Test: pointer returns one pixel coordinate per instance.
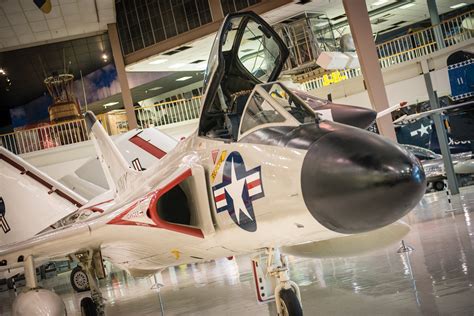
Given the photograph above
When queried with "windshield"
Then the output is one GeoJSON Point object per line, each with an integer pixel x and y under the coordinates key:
{"type": "Point", "coordinates": [259, 112]}
{"type": "Point", "coordinates": [292, 104]}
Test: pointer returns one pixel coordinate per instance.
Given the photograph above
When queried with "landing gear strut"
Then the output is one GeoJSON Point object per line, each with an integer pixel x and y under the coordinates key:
{"type": "Point", "coordinates": [91, 263]}
{"type": "Point", "coordinates": [273, 282]}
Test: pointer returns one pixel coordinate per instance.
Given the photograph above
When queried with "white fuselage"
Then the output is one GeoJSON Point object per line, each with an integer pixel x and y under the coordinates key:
{"type": "Point", "coordinates": [281, 215]}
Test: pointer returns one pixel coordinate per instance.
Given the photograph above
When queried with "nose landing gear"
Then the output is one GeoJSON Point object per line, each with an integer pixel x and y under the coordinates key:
{"type": "Point", "coordinates": [272, 281]}
{"type": "Point", "coordinates": [91, 263]}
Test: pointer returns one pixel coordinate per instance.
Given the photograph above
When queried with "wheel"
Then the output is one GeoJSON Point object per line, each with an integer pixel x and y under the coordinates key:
{"type": "Point", "coordinates": [438, 185]}
{"type": "Point", "coordinates": [43, 272]}
{"type": "Point", "coordinates": [88, 307]}
{"type": "Point", "coordinates": [290, 304]}
{"type": "Point", "coordinates": [79, 280]}
{"type": "Point", "coordinates": [10, 283]}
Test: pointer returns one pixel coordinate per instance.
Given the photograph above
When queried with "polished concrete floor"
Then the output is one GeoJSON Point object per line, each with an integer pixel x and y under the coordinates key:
{"type": "Point", "coordinates": [435, 279]}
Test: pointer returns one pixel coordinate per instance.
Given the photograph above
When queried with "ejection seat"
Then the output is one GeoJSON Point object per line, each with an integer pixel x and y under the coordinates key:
{"type": "Point", "coordinates": [235, 116]}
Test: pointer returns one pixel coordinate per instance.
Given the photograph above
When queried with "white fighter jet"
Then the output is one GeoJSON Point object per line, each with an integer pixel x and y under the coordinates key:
{"type": "Point", "coordinates": [263, 174]}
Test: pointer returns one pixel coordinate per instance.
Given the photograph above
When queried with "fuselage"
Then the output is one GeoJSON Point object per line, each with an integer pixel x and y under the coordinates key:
{"type": "Point", "coordinates": [277, 209]}
{"type": "Point", "coordinates": [280, 215]}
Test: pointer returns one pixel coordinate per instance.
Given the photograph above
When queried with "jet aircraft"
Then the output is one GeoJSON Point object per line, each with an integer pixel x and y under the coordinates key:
{"type": "Point", "coordinates": [263, 174]}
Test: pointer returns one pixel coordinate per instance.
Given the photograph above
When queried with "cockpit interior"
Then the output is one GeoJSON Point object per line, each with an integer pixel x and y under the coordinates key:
{"type": "Point", "coordinates": [239, 93]}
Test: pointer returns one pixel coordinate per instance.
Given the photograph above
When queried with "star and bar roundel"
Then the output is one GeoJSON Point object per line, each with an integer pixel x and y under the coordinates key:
{"type": "Point", "coordinates": [238, 190]}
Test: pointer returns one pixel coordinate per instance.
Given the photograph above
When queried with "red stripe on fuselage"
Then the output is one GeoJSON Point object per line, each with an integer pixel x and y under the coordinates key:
{"type": "Point", "coordinates": [158, 222]}
{"type": "Point", "coordinates": [147, 146]}
{"type": "Point", "coordinates": [220, 197]}
{"type": "Point", "coordinates": [192, 231]}
{"type": "Point", "coordinates": [253, 184]}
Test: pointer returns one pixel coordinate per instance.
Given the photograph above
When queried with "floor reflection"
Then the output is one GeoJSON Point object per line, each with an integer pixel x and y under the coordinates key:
{"type": "Point", "coordinates": [434, 279]}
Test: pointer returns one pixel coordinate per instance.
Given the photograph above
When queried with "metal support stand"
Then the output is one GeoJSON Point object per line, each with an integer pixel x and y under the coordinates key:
{"type": "Point", "coordinates": [30, 273]}
{"type": "Point", "coordinates": [404, 248]}
{"type": "Point", "coordinates": [440, 132]}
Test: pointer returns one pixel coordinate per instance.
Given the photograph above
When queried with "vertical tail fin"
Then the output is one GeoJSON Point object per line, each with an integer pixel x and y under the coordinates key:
{"type": "Point", "coordinates": [117, 171]}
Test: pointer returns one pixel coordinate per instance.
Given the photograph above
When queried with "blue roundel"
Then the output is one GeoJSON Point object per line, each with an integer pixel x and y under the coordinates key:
{"type": "Point", "coordinates": [239, 188]}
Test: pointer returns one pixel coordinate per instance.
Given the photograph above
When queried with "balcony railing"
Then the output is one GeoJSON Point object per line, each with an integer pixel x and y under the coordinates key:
{"type": "Point", "coordinates": [169, 113]}
{"type": "Point", "coordinates": [72, 132]}
{"type": "Point", "coordinates": [409, 47]}
{"type": "Point", "coordinates": [25, 141]}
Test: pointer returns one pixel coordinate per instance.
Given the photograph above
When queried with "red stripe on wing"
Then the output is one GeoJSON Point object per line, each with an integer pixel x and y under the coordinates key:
{"type": "Point", "coordinates": [147, 146]}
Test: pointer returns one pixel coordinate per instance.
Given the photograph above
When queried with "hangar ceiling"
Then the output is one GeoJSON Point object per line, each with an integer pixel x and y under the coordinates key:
{"type": "Point", "coordinates": [22, 24]}
{"type": "Point", "coordinates": [397, 14]}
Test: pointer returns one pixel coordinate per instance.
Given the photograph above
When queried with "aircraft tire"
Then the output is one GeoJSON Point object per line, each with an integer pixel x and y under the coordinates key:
{"type": "Point", "coordinates": [10, 283]}
{"type": "Point", "coordinates": [438, 185]}
{"type": "Point", "coordinates": [79, 281]}
{"type": "Point", "coordinates": [88, 307]}
{"type": "Point", "coordinates": [290, 303]}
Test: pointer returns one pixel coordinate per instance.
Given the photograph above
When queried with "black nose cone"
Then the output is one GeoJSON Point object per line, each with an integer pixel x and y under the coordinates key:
{"type": "Point", "coordinates": [355, 181]}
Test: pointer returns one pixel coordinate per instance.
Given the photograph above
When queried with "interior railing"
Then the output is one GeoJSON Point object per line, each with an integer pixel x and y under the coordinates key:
{"type": "Point", "coordinates": [72, 132]}
{"type": "Point", "coordinates": [408, 47]}
{"type": "Point", "coordinates": [169, 113]}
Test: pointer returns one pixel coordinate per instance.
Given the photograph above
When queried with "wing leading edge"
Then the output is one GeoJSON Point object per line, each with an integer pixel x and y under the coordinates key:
{"type": "Point", "coordinates": [31, 200]}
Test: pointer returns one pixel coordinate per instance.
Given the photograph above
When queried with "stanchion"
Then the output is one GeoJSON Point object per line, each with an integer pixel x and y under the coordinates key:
{"type": "Point", "coordinates": [157, 286]}
{"type": "Point", "coordinates": [404, 248]}
{"type": "Point", "coordinates": [449, 197]}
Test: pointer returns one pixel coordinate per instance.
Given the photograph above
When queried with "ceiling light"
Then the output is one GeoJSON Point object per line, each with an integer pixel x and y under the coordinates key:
{"type": "Point", "coordinates": [184, 78]}
{"type": "Point", "coordinates": [379, 2]}
{"type": "Point", "coordinates": [2, 72]}
{"type": "Point", "coordinates": [178, 65]}
{"type": "Point", "coordinates": [158, 61]}
{"type": "Point", "coordinates": [155, 88]}
{"type": "Point", "coordinates": [110, 104]}
{"type": "Point", "coordinates": [459, 5]}
{"type": "Point", "coordinates": [406, 6]}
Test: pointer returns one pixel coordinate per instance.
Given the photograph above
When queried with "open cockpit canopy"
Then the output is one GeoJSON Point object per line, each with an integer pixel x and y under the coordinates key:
{"type": "Point", "coordinates": [246, 52]}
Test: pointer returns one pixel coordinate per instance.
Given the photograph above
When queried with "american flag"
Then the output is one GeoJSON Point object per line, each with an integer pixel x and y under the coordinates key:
{"type": "Point", "coordinates": [254, 187]}
{"type": "Point", "coordinates": [238, 190]}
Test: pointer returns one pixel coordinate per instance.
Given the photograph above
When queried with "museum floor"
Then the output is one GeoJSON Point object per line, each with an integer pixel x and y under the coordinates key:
{"type": "Point", "coordinates": [435, 279]}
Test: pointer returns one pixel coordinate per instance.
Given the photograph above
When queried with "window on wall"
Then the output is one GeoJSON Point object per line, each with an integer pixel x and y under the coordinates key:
{"type": "Point", "coordinates": [142, 23]}
{"type": "Point", "coordinates": [231, 6]}
{"type": "Point", "coordinates": [185, 95]}
{"type": "Point", "coordinates": [156, 21]}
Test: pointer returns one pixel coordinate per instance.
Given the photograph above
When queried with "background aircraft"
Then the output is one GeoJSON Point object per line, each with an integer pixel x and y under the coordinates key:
{"type": "Point", "coordinates": [434, 167]}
